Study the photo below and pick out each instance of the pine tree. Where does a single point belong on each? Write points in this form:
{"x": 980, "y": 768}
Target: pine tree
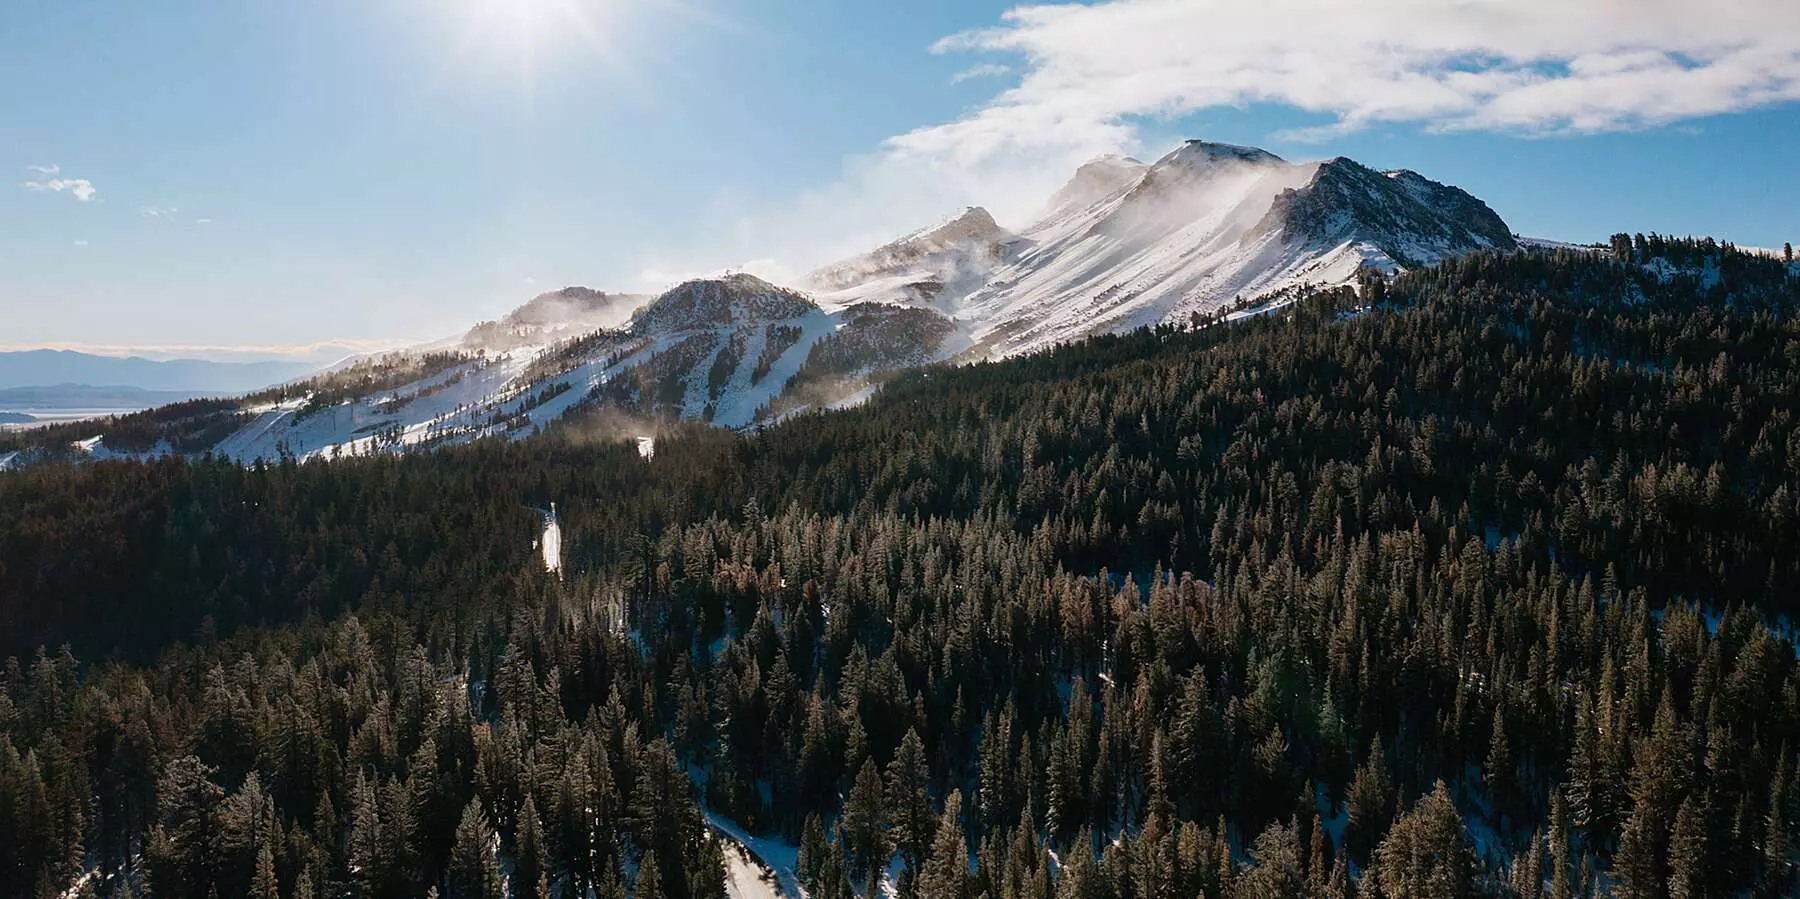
{"x": 1687, "y": 851}
{"x": 1562, "y": 866}
{"x": 1498, "y": 768}
{"x": 909, "y": 805}
{"x": 811, "y": 857}
{"x": 529, "y": 855}
{"x": 262, "y": 884}
{"x": 1064, "y": 793}
{"x": 649, "y": 880}
{"x": 184, "y": 855}
{"x": 1370, "y": 804}
{"x": 1526, "y": 876}
{"x": 1078, "y": 880}
{"x": 1777, "y": 867}
{"x": 864, "y": 824}
{"x": 474, "y": 868}
{"x": 1427, "y": 854}
{"x": 946, "y": 871}
{"x": 366, "y": 854}
{"x": 1276, "y": 872}
{"x": 707, "y": 880}
{"x": 1635, "y": 866}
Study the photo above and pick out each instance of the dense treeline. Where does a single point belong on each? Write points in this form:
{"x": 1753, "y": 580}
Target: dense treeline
{"x": 1468, "y": 586}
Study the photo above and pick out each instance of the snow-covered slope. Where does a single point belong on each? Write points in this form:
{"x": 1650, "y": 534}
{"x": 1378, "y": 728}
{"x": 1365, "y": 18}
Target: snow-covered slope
{"x": 733, "y": 351}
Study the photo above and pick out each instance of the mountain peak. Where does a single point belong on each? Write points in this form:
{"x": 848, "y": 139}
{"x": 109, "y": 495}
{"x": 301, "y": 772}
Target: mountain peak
{"x": 975, "y": 222}
{"x": 711, "y": 302}
{"x": 970, "y": 240}
{"x": 1200, "y": 152}
{"x": 1409, "y": 218}
{"x": 1097, "y": 179}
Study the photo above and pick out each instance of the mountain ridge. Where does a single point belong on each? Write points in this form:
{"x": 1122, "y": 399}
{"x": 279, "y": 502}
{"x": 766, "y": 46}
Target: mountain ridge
{"x": 1122, "y": 244}
{"x": 54, "y": 367}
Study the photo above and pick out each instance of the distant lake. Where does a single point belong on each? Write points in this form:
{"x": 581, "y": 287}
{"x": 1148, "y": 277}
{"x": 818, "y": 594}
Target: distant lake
{"x": 38, "y": 418}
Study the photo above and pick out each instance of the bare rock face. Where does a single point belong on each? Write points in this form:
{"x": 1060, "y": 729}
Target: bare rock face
{"x": 1413, "y": 220}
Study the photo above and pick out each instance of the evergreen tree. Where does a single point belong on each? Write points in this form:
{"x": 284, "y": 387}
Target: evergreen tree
{"x": 864, "y": 824}
{"x": 1636, "y": 866}
{"x": 474, "y": 866}
{"x": 1498, "y": 769}
{"x": 909, "y": 805}
{"x": 1427, "y": 854}
{"x": 707, "y": 880}
{"x": 263, "y": 885}
{"x": 1562, "y": 868}
{"x": 946, "y": 870}
{"x": 811, "y": 856}
{"x": 529, "y": 853}
{"x": 1370, "y": 805}
{"x": 1687, "y": 851}
{"x": 1275, "y": 872}
{"x": 649, "y": 880}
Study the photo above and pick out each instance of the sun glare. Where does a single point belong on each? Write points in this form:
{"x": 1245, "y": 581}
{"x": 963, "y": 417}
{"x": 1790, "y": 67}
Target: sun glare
{"x": 527, "y": 29}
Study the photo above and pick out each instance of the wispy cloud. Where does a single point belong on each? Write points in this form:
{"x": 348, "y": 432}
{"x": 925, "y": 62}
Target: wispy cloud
{"x": 48, "y": 180}
{"x": 985, "y": 70}
{"x": 157, "y": 212}
{"x": 1523, "y": 66}
{"x": 81, "y": 243}
{"x": 1100, "y": 77}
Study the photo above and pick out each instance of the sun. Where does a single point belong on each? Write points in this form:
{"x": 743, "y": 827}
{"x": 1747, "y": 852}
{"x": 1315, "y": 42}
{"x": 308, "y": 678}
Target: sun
{"x": 522, "y": 31}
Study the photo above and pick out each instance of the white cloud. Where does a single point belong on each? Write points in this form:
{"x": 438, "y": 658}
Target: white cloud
{"x": 81, "y": 243}
{"x": 47, "y": 182}
{"x": 202, "y": 221}
{"x": 985, "y": 70}
{"x": 1109, "y": 77}
{"x": 157, "y": 212}
{"x": 1529, "y": 66}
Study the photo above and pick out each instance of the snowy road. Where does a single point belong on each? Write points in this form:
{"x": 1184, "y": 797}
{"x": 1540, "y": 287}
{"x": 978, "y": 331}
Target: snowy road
{"x": 755, "y": 868}
{"x": 745, "y": 876}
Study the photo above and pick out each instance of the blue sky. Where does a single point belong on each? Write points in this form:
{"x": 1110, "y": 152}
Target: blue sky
{"x": 196, "y": 174}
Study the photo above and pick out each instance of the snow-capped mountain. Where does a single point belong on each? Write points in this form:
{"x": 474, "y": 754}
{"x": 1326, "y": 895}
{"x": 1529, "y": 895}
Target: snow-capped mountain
{"x": 1124, "y": 244}
{"x": 1121, "y": 245}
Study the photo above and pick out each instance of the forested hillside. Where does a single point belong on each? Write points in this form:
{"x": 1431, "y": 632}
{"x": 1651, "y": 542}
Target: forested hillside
{"x": 1473, "y": 584}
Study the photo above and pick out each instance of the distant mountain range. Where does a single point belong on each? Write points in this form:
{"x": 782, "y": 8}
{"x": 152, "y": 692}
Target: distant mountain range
{"x": 1207, "y": 230}
{"x": 83, "y": 396}
{"x": 190, "y": 377}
